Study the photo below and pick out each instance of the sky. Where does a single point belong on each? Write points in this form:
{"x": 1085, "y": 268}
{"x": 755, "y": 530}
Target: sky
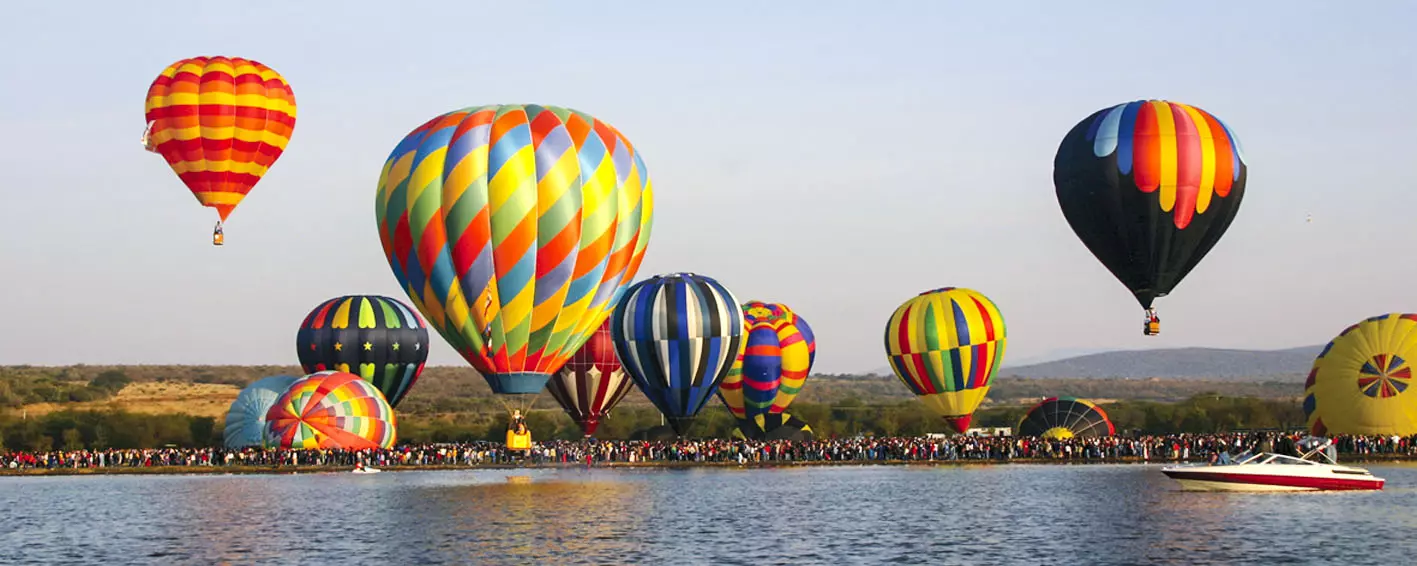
{"x": 831, "y": 156}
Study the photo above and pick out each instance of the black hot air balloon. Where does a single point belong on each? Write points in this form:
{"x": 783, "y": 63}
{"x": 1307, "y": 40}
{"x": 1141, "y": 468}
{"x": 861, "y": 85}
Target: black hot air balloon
{"x": 1150, "y": 186}
{"x": 375, "y": 337}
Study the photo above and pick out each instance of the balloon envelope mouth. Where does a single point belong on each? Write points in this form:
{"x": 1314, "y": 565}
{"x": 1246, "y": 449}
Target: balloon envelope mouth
{"x": 517, "y": 383}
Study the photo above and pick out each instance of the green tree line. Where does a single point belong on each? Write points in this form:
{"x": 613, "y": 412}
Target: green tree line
{"x": 1204, "y": 413}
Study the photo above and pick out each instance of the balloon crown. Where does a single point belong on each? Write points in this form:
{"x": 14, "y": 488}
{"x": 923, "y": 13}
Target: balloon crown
{"x": 940, "y": 290}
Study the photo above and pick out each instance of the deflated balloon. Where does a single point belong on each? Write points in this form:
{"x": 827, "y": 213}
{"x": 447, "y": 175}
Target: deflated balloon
{"x": 514, "y": 228}
{"x": 592, "y": 382}
{"x": 374, "y": 336}
{"x": 331, "y": 409}
{"x": 1361, "y": 381}
{"x": 946, "y": 345}
{"x": 1149, "y": 187}
{"x": 678, "y": 336}
{"x": 246, "y": 419}
{"x": 1065, "y": 417}
{"x": 220, "y": 122}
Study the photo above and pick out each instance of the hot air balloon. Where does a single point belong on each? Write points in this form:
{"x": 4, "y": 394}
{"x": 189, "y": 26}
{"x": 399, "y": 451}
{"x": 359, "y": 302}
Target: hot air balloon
{"x": 592, "y": 382}
{"x": 220, "y": 122}
{"x": 1360, "y": 382}
{"x": 1065, "y": 417}
{"x": 513, "y": 228}
{"x": 246, "y": 419}
{"x": 331, "y": 409}
{"x": 374, "y": 336}
{"x": 777, "y": 358}
{"x": 678, "y": 336}
{"x": 1150, "y": 187}
{"x": 946, "y": 345}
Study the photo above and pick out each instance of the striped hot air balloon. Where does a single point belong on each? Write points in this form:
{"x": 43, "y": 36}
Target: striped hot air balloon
{"x": 1065, "y": 417}
{"x": 1149, "y": 187}
{"x": 777, "y": 358}
{"x": 374, "y": 336}
{"x": 592, "y": 382}
{"x": 513, "y": 229}
{"x": 946, "y": 345}
{"x": 331, "y": 409}
{"x": 220, "y": 122}
{"x": 678, "y": 336}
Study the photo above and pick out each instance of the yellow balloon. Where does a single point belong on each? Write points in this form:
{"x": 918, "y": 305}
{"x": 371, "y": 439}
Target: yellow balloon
{"x": 1361, "y": 382}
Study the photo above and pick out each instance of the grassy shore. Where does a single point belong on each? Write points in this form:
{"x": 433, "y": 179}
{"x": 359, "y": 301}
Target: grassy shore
{"x": 287, "y": 469}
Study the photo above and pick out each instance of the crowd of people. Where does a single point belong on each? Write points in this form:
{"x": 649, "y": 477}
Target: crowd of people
{"x": 933, "y": 448}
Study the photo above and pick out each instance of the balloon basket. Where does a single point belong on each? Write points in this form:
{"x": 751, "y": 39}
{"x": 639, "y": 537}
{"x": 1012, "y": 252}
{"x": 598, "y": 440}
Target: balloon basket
{"x": 518, "y": 441}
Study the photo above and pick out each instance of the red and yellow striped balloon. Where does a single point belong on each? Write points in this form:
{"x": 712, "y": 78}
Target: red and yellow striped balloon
{"x": 220, "y": 122}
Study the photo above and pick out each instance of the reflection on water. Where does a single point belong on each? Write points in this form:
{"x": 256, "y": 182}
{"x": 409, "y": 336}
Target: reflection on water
{"x": 1024, "y": 514}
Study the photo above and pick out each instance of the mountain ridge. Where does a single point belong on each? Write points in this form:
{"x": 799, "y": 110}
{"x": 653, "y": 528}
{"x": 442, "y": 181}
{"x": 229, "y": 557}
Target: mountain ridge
{"x": 1286, "y": 364}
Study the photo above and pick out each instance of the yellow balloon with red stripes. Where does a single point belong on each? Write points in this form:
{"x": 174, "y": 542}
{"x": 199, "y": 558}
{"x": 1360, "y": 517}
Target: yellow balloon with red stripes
{"x": 946, "y": 345}
{"x": 220, "y": 122}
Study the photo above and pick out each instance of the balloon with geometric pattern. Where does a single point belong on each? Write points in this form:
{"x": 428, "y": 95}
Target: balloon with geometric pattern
{"x": 221, "y": 123}
{"x": 945, "y": 346}
{"x": 776, "y": 362}
{"x": 376, "y": 337}
{"x": 1361, "y": 382}
{"x": 331, "y": 409}
{"x": 246, "y": 418}
{"x": 514, "y": 228}
{"x": 1065, "y": 417}
{"x": 1149, "y": 187}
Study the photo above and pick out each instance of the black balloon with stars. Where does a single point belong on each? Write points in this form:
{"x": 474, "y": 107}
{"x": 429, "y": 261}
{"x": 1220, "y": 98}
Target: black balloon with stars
{"x": 372, "y": 336}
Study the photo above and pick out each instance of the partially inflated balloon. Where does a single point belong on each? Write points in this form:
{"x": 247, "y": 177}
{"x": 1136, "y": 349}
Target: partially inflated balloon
{"x": 246, "y": 419}
{"x": 220, "y": 122}
{"x": 678, "y": 336}
{"x": 1361, "y": 381}
{"x": 377, "y": 337}
{"x": 1149, "y": 187}
{"x": 946, "y": 345}
{"x": 592, "y": 382}
{"x": 513, "y": 228}
{"x": 777, "y": 359}
{"x": 1065, "y": 417}
{"x": 331, "y": 409}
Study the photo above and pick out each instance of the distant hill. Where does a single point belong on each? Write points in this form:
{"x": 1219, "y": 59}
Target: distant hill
{"x": 1291, "y": 364}
{"x": 1214, "y": 364}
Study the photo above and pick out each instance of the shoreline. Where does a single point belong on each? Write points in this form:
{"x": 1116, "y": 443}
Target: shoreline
{"x": 302, "y": 469}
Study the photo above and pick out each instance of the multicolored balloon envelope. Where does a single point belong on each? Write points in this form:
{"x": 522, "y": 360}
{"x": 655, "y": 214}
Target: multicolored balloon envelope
{"x": 331, "y": 409}
{"x": 1065, "y": 417}
{"x": 513, "y": 228}
{"x": 377, "y": 337}
{"x": 777, "y": 359}
{"x": 592, "y": 382}
{"x": 678, "y": 336}
{"x": 221, "y": 123}
{"x": 1361, "y": 381}
{"x": 946, "y": 345}
{"x": 246, "y": 419}
{"x": 1149, "y": 187}
{"x": 774, "y": 426}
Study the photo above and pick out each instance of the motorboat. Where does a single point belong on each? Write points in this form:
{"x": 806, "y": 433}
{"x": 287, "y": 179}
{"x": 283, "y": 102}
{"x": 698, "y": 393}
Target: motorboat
{"x": 362, "y": 469}
{"x": 1267, "y": 471}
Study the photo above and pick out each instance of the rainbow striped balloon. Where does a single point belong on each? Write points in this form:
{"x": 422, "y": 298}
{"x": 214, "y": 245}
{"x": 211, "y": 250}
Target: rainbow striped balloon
{"x": 946, "y": 345}
{"x": 331, "y": 409}
{"x": 514, "y": 229}
{"x": 776, "y": 361}
{"x": 1186, "y": 153}
{"x": 220, "y": 122}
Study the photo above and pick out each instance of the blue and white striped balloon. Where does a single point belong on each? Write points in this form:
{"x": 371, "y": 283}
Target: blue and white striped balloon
{"x": 678, "y": 336}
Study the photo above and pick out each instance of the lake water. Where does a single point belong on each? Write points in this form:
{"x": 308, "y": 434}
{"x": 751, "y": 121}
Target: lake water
{"x": 1003, "y": 514}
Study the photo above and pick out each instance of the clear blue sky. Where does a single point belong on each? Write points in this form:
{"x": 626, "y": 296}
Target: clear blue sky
{"x": 838, "y": 157}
